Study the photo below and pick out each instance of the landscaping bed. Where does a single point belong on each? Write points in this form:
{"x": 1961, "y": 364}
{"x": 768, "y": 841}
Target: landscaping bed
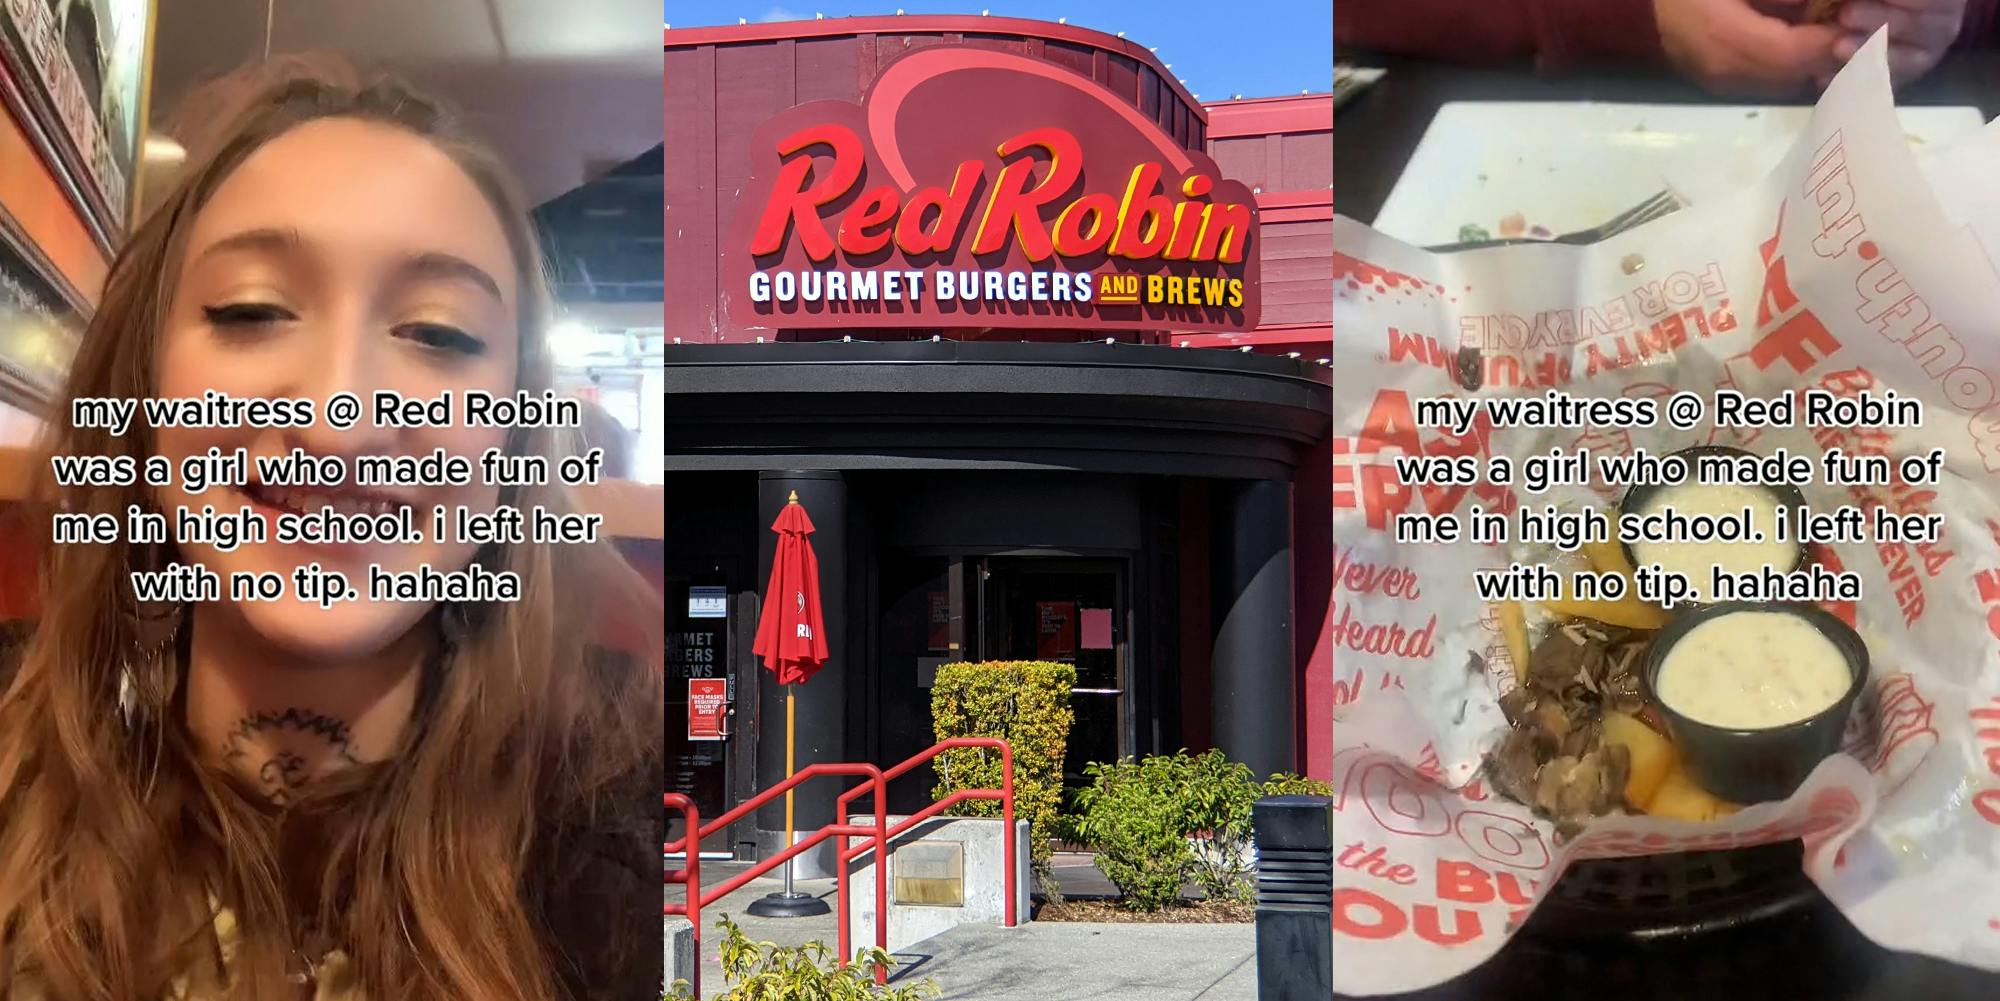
{"x": 1167, "y": 837}
{"x": 1187, "y": 912}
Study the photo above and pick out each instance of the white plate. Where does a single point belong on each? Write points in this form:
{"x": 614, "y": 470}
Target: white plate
{"x": 1570, "y": 166}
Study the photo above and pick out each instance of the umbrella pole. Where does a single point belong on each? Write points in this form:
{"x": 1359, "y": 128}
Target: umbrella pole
{"x": 790, "y": 903}
{"x": 791, "y": 717}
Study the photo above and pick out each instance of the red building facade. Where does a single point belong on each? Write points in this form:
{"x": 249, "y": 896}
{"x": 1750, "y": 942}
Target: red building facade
{"x": 981, "y": 460}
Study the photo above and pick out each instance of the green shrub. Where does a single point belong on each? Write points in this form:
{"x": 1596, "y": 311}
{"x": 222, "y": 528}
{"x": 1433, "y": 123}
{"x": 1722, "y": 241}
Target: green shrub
{"x": 766, "y": 971}
{"x": 1169, "y": 819}
{"x": 1174, "y": 818}
{"x": 1136, "y": 829}
{"x": 1284, "y": 784}
{"x": 1025, "y": 703}
{"x": 1215, "y": 795}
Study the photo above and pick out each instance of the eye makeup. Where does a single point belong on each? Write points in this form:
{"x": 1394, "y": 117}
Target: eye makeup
{"x": 441, "y": 337}
{"x": 248, "y": 313}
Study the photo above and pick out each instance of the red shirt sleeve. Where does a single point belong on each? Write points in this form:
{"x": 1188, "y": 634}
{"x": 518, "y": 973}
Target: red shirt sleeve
{"x": 1557, "y": 34}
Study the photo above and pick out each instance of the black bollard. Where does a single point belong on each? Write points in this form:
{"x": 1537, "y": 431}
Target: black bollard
{"x": 1294, "y": 898}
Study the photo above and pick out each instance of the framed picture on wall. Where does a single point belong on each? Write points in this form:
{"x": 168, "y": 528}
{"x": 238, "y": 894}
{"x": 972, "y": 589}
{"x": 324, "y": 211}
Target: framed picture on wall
{"x": 40, "y": 328}
{"x": 76, "y": 78}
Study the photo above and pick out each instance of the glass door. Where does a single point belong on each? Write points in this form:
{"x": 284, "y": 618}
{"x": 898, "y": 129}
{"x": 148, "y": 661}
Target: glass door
{"x": 921, "y": 631}
{"x": 1070, "y": 611}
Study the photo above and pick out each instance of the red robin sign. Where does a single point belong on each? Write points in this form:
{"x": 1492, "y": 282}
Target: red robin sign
{"x": 980, "y": 188}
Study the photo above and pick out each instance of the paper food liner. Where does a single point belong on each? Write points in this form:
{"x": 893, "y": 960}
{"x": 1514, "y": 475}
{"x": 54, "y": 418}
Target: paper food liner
{"x": 1849, "y": 268}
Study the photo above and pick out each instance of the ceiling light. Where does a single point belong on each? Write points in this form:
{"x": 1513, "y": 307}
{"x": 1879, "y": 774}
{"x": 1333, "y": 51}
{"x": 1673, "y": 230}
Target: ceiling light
{"x": 161, "y": 149}
{"x": 576, "y": 345}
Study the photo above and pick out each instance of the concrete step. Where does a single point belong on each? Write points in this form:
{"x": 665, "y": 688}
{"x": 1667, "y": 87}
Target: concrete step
{"x": 680, "y": 950}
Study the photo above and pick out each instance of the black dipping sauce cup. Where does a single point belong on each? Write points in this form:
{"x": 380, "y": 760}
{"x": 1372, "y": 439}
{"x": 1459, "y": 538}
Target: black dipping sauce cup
{"x": 1757, "y": 766}
{"x": 1637, "y": 496}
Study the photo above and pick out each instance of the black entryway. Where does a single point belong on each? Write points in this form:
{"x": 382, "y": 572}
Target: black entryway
{"x": 1121, "y": 507}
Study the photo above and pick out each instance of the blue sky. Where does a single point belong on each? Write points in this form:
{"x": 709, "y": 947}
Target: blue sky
{"x": 1257, "y": 48}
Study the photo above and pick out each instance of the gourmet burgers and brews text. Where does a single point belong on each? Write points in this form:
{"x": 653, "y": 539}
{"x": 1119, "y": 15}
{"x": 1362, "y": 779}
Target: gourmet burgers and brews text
{"x": 1055, "y": 204}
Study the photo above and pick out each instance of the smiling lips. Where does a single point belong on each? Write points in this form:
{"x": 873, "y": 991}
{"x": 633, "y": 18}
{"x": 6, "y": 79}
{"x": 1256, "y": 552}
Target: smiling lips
{"x": 342, "y": 500}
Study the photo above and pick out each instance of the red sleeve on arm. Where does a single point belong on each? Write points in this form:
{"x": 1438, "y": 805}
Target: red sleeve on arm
{"x": 1490, "y": 31}
{"x": 1556, "y": 34}
{"x": 1573, "y": 33}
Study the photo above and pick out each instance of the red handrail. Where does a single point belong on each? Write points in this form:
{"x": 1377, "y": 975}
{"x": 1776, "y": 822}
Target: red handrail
{"x": 1005, "y": 794}
{"x": 690, "y": 875}
{"x": 875, "y": 782}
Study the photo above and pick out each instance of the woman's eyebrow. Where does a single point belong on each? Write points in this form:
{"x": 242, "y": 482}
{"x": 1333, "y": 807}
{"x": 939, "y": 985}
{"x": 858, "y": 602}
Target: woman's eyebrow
{"x": 417, "y": 267}
{"x": 270, "y": 239}
{"x": 438, "y": 265}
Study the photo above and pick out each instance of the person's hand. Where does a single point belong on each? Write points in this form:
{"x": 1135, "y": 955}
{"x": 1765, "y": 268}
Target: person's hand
{"x": 1919, "y": 32}
{"x": 1728, "y": 47}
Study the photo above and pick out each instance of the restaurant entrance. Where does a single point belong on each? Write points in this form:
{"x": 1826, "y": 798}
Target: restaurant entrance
{"x": 942, "y": 608}
{"x": 1069, "y": 611}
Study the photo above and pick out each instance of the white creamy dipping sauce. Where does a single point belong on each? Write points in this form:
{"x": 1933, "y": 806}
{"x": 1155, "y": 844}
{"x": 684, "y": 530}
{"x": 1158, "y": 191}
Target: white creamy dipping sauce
{"x": 1752, "y": 671}
{"x": 1698, "y": 560}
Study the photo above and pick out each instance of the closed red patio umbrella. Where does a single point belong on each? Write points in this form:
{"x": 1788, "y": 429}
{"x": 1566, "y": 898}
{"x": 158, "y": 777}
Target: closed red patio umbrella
{"x": 791, "y": 636}
{"x": 791, "y": 640}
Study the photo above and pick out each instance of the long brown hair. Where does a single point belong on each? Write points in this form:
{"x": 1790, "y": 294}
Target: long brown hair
{"x": 116, "y": 841}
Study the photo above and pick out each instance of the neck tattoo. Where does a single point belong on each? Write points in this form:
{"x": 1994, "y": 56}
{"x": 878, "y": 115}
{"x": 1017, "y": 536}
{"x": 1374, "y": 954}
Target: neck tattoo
{"x": 286, "y": 750}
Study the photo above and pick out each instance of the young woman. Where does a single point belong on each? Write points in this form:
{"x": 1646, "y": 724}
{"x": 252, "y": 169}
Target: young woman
{"x": 383, "y": 800}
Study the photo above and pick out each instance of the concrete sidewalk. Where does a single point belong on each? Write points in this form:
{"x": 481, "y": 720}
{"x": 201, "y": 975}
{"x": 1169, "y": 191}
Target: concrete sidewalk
{"x": 1043, "y": 960}
{"x": 1035, "y": 962}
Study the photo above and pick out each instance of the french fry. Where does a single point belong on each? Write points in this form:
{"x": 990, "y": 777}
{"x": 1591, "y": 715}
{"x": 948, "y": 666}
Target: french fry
{"x": 1627, "y": 611}
{"x": 1679, "y": 798}
{"x": 1514, "y": 629}
{"x": 1653, "y": 757}
{"x": 1608, "y": 557}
